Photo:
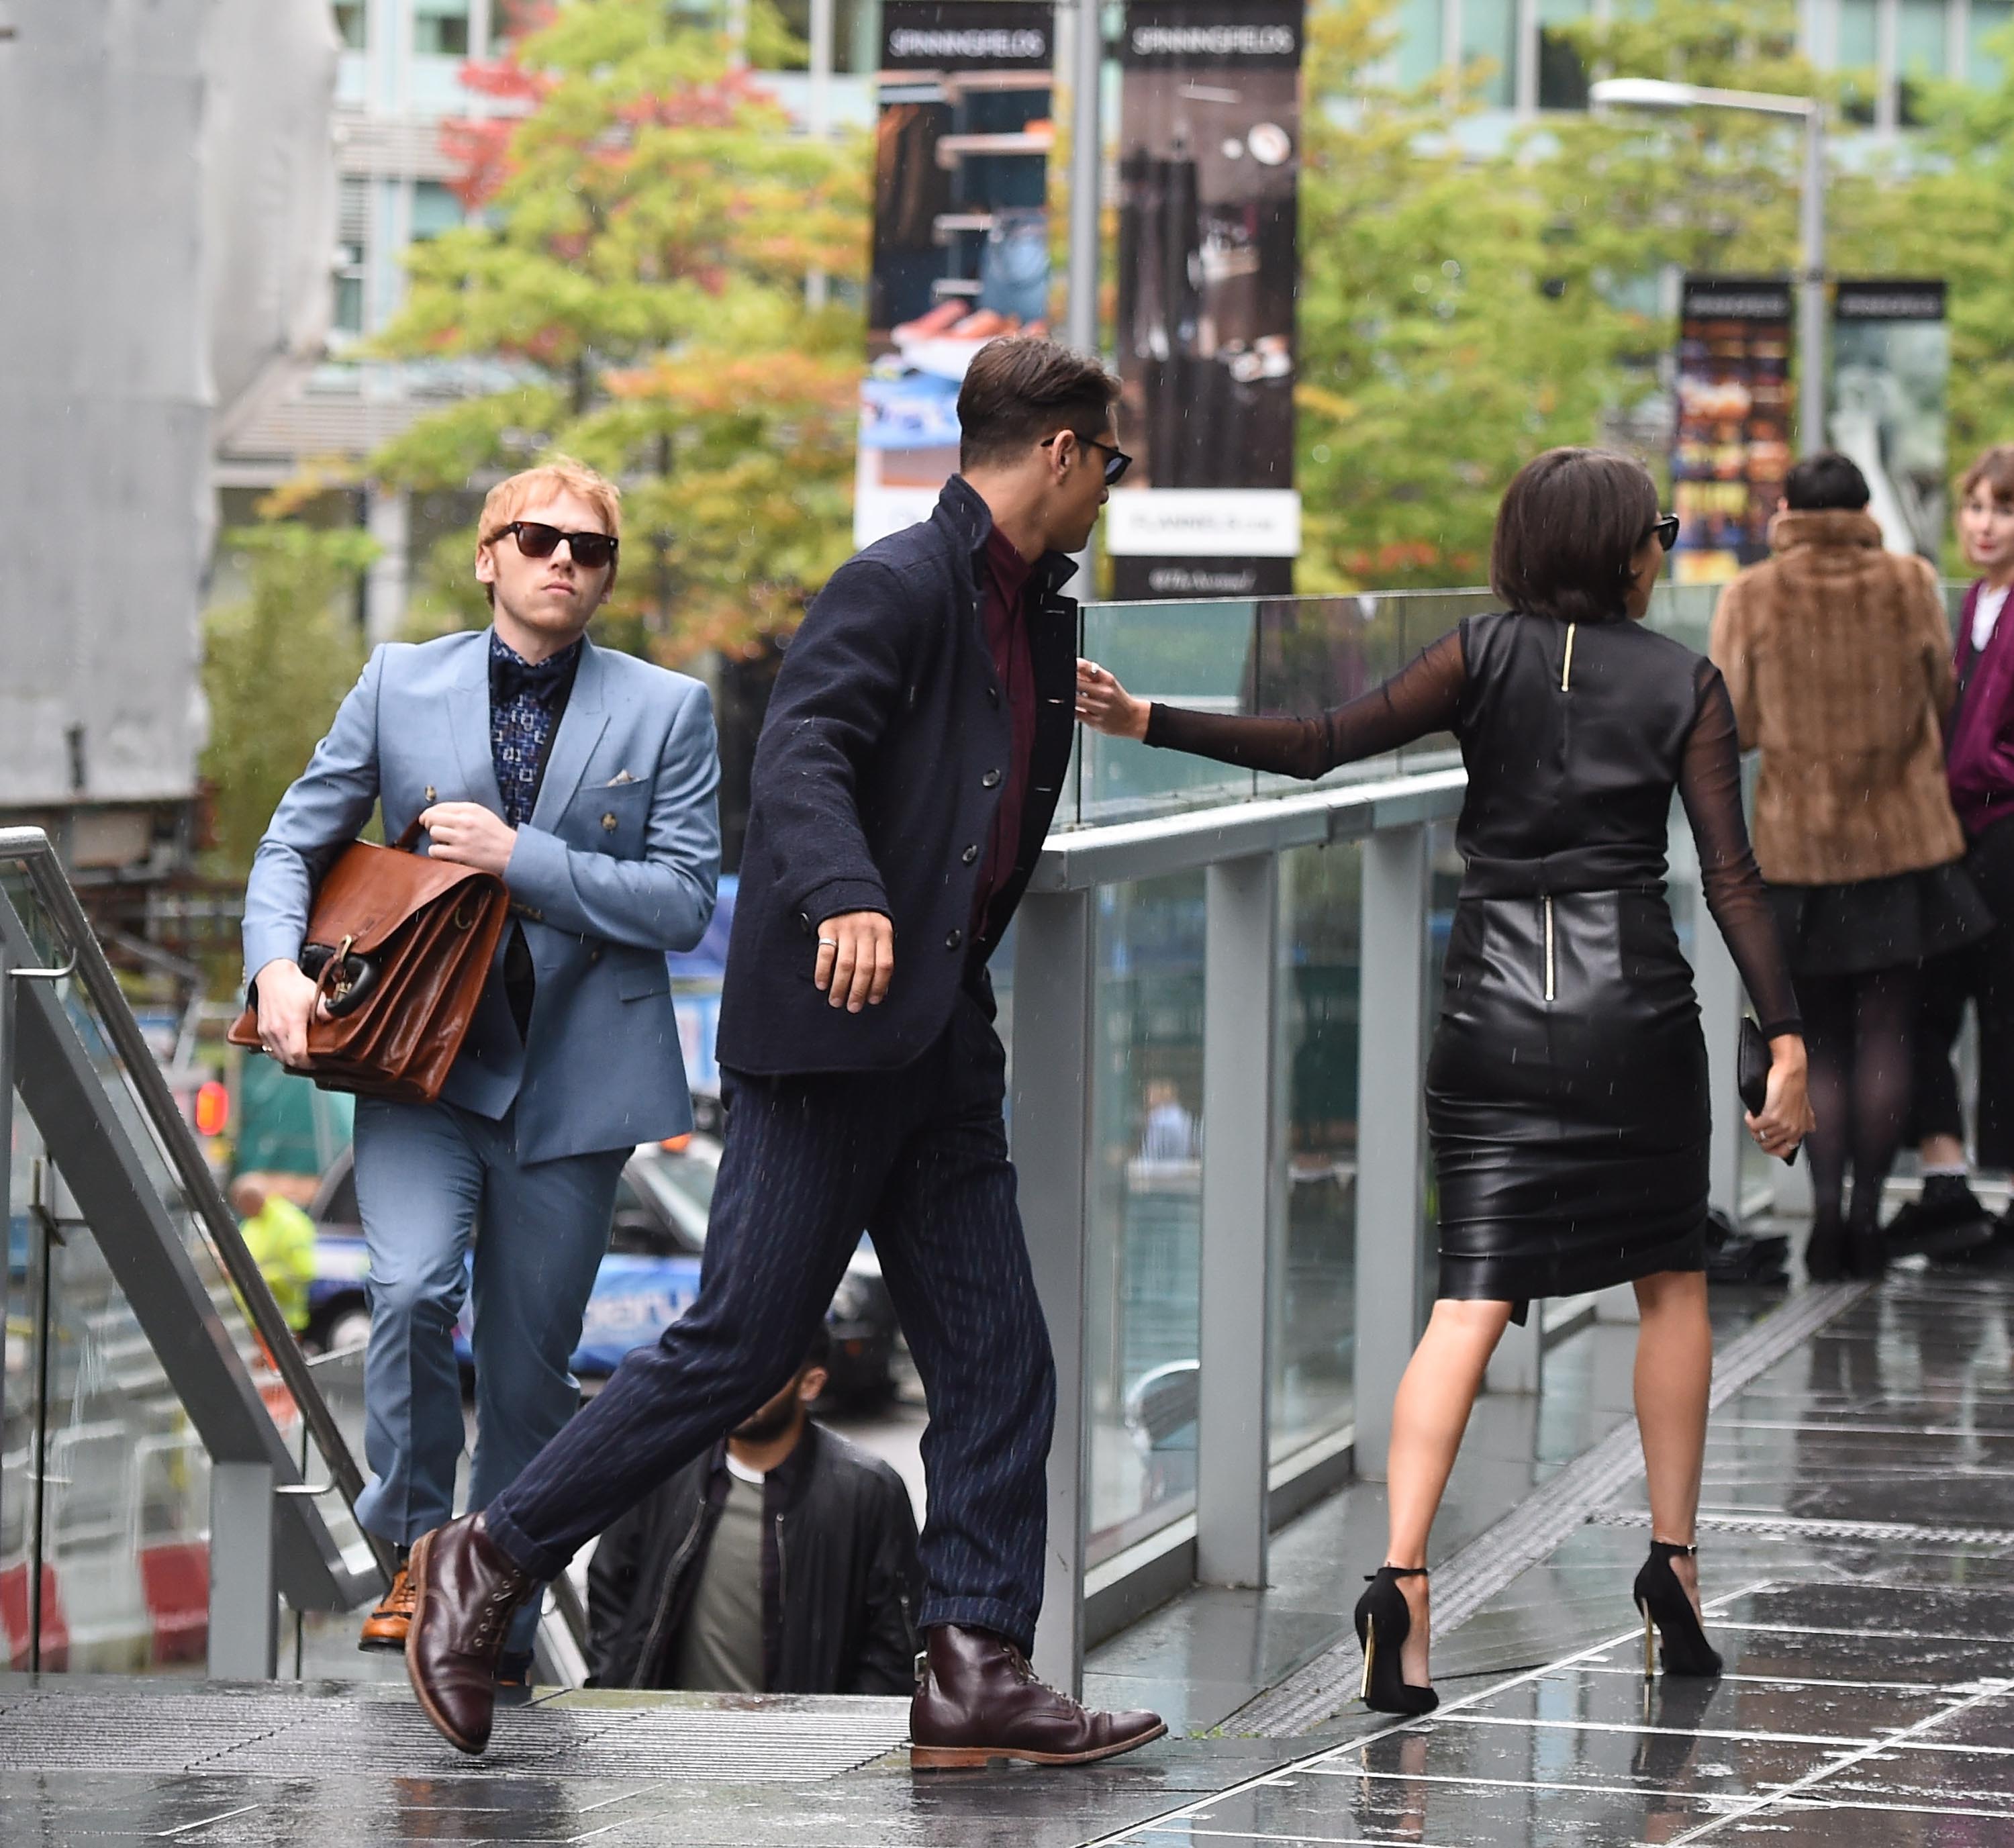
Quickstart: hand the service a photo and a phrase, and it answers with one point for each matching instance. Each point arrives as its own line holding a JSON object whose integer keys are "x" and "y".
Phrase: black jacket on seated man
{"x": 841, "y": 1585}
{"x": 897, "y": 631}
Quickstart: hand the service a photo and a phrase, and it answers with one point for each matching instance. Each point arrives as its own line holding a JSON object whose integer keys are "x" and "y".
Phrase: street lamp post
{"x": 1653, "y": 93}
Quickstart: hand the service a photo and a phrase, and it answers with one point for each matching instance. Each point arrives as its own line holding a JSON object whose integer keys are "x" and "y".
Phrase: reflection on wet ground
{"x": 1859, "y": 1566}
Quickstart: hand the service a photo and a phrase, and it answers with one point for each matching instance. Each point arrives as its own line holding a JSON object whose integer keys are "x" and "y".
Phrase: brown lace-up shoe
{"x": 465, "y": 1590}
{"x": 385, "y": 1627}
{"x": 977, "y": 1699}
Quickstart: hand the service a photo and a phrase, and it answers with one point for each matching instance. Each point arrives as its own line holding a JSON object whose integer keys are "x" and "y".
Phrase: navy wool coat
{"x": 879, "y": 769}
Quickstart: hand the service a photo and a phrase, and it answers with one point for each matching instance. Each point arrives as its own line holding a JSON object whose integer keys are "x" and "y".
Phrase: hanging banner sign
{"x": 961, "y": 232}
{"x": 1209, "y": 268}
{"x": 1887, "y": 404}
{"x": 1731, "y": 445}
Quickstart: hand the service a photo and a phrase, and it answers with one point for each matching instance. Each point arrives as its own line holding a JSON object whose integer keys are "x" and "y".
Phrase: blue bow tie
{"x": 510, "y": 675}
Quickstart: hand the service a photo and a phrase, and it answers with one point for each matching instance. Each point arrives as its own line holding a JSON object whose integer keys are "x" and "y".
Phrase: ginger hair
{"x": 562, "y": 475}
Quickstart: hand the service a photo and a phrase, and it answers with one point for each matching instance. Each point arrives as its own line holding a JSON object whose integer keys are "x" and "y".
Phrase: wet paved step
{"x": 1859, "y": 1564}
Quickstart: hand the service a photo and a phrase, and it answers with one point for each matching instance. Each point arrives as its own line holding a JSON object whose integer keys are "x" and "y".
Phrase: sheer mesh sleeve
{"x": 1710, "y": 786}
{"x": 1422, "y": 697}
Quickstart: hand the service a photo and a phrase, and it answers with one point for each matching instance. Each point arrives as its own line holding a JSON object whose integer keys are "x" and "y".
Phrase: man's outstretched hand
{"x": 856, "y": 959}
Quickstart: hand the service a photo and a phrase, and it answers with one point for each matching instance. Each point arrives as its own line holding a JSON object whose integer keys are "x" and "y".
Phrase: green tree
{"x": 637, "y": 270}
{"x": 1448, "y": 328}
{"x": 275, "y": 667}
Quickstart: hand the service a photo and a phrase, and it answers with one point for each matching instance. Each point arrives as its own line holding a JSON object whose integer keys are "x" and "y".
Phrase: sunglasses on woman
{"x": 1666, "y": 530}
{"x": 1117, "y": 460}
{"x": 589, "y": 551}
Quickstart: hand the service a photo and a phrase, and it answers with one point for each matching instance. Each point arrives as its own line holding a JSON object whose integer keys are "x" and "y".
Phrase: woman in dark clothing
{"x": 1566, "y": 1092}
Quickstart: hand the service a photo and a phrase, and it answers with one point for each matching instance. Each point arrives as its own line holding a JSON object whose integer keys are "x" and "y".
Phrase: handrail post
{"x": 244, "y": 1580}
{"x": 1051, "y": 1118}
{"x": 1241, "y": 988}
{"x": 1390, "y": 1130}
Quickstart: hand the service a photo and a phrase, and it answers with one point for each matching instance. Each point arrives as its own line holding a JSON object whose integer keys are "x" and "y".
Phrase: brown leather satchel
{"x": 400, "y": 947}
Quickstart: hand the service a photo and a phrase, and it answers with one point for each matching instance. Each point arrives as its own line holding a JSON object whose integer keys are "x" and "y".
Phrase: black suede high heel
{"x": 1384, "y": 1621}
{"x": 1668, "y": 1616}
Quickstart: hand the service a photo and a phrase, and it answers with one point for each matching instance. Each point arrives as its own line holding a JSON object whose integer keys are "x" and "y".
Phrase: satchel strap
{"x": 410, "y": 839}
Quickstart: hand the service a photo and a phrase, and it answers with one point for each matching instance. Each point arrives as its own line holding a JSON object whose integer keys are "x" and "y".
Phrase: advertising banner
{"x": 961, "y": 232}
{"x": 1887, "y": 404}
{"x": 1731, "y": 445}
{"x": 1210, "y": 160}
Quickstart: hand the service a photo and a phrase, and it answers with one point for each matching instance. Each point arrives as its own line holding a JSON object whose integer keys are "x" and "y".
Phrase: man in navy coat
{"x": 905, "y": 781}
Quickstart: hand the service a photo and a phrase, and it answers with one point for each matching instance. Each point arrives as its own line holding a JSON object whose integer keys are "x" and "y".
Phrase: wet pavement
{"x": 1857, "y": 1562}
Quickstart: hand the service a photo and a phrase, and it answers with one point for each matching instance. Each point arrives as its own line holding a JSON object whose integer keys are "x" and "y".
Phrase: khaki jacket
{"x": 1836, "y": 654}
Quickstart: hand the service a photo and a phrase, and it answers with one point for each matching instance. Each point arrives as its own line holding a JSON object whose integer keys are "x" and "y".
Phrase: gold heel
{"x": 1370, "y": 1655}
{"x": 1650, "y": 1647}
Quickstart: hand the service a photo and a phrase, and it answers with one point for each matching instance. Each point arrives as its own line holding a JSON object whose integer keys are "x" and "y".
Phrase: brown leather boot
{"x": 977, "y": 1699}
{"x": 385, "y": 1627}
{"x": 464, "y": 1589}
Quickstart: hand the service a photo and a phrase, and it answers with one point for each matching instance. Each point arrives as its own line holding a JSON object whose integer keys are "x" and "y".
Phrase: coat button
{"x": 993, "y": 696}
{"x": 608, "y": 824}
{"x": 431, "y": 796}
{"x": 953, "y": 939}
{"x": 970, "y": 854}
{"x": 990, "y": 780}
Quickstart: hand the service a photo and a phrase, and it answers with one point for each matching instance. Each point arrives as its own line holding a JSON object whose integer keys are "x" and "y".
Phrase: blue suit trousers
{"x": 917, "y": 1156}
{"x": 428, "y": 1175}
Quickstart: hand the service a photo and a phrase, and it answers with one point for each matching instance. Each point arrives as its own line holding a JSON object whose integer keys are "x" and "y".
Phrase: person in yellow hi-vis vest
{"x": 280, "y": 1238}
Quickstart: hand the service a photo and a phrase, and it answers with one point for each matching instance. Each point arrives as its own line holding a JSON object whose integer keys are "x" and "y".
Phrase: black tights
{"x": 1860, "y": 1037}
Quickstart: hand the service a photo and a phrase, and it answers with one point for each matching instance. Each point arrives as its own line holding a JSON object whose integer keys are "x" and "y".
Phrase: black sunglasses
{"x": 1666, "y": 530}
{"x": 1117, "y": 460}
{"x": 589, "y": 551}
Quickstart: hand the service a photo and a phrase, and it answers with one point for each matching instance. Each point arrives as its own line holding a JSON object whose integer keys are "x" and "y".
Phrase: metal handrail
{"x": 33, "y": 849}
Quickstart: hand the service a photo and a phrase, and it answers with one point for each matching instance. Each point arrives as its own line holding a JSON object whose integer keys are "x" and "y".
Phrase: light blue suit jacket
{"x": 617, "y": 865}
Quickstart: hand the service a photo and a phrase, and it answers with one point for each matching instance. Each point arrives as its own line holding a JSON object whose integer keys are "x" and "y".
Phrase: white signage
{"x": 1203, "y": 523}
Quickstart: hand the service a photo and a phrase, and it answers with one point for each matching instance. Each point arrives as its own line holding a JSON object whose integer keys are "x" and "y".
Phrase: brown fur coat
{"x": 1838, "y": 658}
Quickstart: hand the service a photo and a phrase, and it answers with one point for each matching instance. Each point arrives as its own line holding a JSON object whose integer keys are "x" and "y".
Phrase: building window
{"x": 1984, "y": 68}
{"x": 1489, "y": 30}
{"x": 1923, "y": 51}
{"x": 1859, "y": 58}
{"x": 353, "y": 208}
{"x": 351, "y": 16}
{"x": 1419, "y": 49}
{"x": 440, "y": 28}
{"x": 435, "y": 209}
{"x": 1562, "y": 76}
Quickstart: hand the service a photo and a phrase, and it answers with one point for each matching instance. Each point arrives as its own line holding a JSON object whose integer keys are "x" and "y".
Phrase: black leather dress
{"x": 1567, "y": 1088}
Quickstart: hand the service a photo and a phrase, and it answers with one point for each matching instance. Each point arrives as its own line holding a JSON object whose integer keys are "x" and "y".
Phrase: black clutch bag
{"x": 1751, "y": 1073}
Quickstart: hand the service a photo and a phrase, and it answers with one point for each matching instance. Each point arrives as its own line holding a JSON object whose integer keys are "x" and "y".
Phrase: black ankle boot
{"x": 1668, "y": 1616}
{"x": 1384, "y": 1621}
{"x": 1824, "y": 1250}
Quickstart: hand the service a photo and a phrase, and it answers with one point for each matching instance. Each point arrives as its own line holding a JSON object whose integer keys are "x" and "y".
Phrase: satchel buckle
{"x": 341, "y": 980}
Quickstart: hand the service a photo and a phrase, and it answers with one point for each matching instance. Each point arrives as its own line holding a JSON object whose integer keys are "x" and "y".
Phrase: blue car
{"x": 648, "y": 1280}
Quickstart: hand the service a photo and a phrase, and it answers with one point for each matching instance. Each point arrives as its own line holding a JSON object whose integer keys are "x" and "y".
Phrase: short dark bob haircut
{"x": 1825, "y": 483}
{"x": 1017, "y": 392}
{"x": 1569, "y": 526}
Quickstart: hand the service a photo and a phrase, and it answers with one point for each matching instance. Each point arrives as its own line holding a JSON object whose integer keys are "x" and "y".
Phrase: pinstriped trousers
{"x": 918, "y": 1157}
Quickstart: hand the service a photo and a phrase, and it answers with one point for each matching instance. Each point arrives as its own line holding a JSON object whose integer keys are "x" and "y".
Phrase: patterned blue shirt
{"x": 526, "y": 699}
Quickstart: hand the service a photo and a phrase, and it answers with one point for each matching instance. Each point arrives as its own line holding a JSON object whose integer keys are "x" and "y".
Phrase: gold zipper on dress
{"x": 1548, "y": 903}
{"x": 1566, "y": 666}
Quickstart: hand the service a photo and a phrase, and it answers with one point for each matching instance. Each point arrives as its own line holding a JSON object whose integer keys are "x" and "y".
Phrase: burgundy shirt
{"x": 1002, "y": 581}
{"x": 1979, "y": 756}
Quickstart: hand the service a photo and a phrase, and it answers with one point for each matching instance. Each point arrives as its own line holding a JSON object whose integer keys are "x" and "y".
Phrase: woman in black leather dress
{"x": 1566, "y": 1089}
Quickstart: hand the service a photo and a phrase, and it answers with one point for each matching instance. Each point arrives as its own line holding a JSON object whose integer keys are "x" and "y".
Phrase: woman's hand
{"x": 1785, "y": 1118}
{"x": 1105, "y": 706}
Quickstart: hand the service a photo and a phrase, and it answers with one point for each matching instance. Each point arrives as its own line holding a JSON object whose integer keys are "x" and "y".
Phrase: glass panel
{"x": 1489, "y": 30}
{"x": 351, "y": 21}
{"x": 1419, "y": 51}
{"x": 1314, "y": 1275}
{"x": 1986, "y": 53}
{"x": 1284, "y": 654}
{"x": 122, "y": 1538}
{"x": 1146, "y": 1208}
{"x": 1922, "y": 51}
{"x": 440, "y": 28}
